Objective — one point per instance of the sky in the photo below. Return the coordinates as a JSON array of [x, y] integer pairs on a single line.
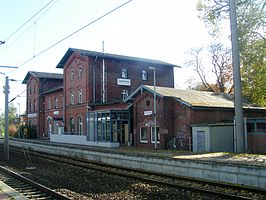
[[163, 30]]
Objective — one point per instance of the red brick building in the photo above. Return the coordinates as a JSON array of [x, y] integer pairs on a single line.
[[177, 110], [107, 100], [90, 100], [38, 83], [95, 85]]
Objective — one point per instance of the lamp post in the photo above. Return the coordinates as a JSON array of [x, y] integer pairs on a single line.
[[154, 106]]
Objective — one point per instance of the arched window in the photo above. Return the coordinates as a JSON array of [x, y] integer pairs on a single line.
[[49, 125], [80, 96], [80, 73], [71, 97], [80, 129], [72, 75], [72, 124]]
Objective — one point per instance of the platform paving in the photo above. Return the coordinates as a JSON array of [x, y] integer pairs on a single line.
[[7, 193]]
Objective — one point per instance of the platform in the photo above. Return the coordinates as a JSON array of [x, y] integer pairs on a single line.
[[7, 192]]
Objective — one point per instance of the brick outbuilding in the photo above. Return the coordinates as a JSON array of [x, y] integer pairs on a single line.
[[177, 110]]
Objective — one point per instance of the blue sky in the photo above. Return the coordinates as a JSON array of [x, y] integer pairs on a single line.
[[158, 29]]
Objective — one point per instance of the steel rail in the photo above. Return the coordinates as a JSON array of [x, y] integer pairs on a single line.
[[148, 176], [43, 190]]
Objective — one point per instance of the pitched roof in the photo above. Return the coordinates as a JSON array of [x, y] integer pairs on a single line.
[[41, 75], [193, 98], [111, 56], [53, 89]]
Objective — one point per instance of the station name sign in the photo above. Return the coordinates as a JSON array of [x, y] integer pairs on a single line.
[[123, 81], [32, 115], [149, 112]]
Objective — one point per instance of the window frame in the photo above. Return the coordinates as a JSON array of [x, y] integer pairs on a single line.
[[49, 103], [80, 96], [71, 74], [80, 72], [72, 124], [140, 134], [158, 135], [55, 102], [80, 125], [144, 75], [124, 73], [72, 98]]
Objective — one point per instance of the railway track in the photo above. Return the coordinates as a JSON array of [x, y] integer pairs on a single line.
[[27, 187], [222, 191]]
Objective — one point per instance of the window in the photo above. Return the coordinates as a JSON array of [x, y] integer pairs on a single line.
[[55, 102], [143, 134], [80, 73], [124, 73], [30, 105], [153, 135], [72, 124], [49, 103], [80, 96], [80, 130], [30, 90], [72, 75], [144, 75], [72, 97], [34, 106]]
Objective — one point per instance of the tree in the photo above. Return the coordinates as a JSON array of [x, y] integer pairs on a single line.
[[221, 68], [251, 25], [12, 117]]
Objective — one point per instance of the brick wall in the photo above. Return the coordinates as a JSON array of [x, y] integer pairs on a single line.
[[113, 72], [51, 113]]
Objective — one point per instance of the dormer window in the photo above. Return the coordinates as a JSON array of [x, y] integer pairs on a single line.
[[124, 73]]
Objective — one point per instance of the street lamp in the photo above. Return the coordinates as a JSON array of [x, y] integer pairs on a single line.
[[154, 106]]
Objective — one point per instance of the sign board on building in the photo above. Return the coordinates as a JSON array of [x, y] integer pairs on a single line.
[[148, 112], [164, 131], [32, 115], [56, 112], [123, 81]]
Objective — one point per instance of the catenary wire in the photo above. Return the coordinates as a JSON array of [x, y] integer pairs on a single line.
[[28, 21], [78, 30], [14, 41]]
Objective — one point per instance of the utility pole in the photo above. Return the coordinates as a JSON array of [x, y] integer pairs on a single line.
[[6, 92], [6, 144], [239, 130]]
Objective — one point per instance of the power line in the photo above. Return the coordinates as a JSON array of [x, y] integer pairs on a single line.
[[34, 23], [78, 30], [27, 21], [16, 96]]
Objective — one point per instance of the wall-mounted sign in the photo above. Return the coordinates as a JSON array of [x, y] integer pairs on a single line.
[[123, 81], [56, 112], [32, 115], [149, 112]]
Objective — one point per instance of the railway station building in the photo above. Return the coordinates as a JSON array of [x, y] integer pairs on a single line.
[[88, 99], [107, 100]]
